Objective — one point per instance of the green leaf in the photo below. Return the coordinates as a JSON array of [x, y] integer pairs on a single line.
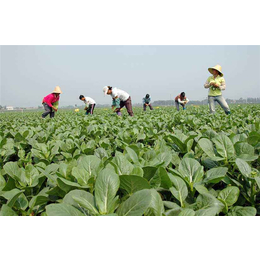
[[81, 175], [106, 187], [208, 205], [156, 207], [82, 199], [179, 189], [132, 155], [215, 175], [21, 202], [67, 186], [136, 205], [12, 196], [7, 211], [132, 183], [243, 211], [124, 167], [187, 212], [90, 163], [243, 167], [191, 170], [224, 146], [62, 209], [244, 148], [229, 195], [207, 147]]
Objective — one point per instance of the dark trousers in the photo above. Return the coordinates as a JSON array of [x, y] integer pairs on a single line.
[[177, 105], [48, 110], [128, 105], [149, 105], [90, 109]]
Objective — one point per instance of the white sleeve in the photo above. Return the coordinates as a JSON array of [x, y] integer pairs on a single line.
[[180, 101], [114, 93], [187, 100]]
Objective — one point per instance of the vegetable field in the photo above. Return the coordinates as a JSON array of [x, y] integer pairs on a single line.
[[158, 163]]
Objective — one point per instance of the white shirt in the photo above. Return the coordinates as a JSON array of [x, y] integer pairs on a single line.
[[182, 102], [89, 101], [121, 94]]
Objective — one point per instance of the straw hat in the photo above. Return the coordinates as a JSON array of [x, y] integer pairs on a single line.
[[57, 90], [217, 68]]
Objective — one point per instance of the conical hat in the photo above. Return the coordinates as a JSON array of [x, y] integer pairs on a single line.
[[57, 90], [218, 68]]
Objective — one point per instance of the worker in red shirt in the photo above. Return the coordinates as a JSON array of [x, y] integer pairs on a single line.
[[181, 100], [50, 102]]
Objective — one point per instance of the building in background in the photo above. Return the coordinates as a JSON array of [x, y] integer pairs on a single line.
[[9, 108]]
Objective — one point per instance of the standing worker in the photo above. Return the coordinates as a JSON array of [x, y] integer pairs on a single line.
[[181, 100], [216, 84], [51, 102], [90, 104], [124, 97], [147, 102]]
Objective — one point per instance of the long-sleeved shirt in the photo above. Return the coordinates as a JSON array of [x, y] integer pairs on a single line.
[[213, 91], [181, 100], [147, 100], [89, 101], [50, 99], [121, 94]]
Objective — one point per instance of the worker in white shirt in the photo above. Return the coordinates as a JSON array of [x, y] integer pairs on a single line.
[[90, 104], [125, 99], [181, 100]]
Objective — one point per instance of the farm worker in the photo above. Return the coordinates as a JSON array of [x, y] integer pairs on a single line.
[[124, 97], [116, 105], [181, 100], [147, 102], [216, 83], [51, 102], [90, 104]]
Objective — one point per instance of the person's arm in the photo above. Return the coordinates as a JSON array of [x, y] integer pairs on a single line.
[[180, 101], [223, 85], [207, 83], [187, 101]]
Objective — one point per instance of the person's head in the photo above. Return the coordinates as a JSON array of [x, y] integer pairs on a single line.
[[107, 90], [57, 91], [182, 94], [215, 72], [81, 97], [147, 96]]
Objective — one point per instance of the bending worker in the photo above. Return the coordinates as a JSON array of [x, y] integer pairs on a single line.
[[181, 100], [90, 104], [147, 102], [51, 102], [124, 97]]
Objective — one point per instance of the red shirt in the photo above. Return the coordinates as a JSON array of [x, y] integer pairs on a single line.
[[50, 99]]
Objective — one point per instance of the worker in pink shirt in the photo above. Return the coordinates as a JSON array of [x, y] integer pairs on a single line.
[[50, 102]]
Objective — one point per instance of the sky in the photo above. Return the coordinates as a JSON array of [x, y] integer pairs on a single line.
[[28, 73]]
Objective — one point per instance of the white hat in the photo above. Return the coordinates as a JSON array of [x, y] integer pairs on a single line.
[[105, 90]]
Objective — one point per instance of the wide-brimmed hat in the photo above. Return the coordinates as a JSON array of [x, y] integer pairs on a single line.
[[217, 68], [57, 90]]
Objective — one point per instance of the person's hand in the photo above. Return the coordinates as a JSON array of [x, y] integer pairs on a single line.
[[216, 85], [55, 109]]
